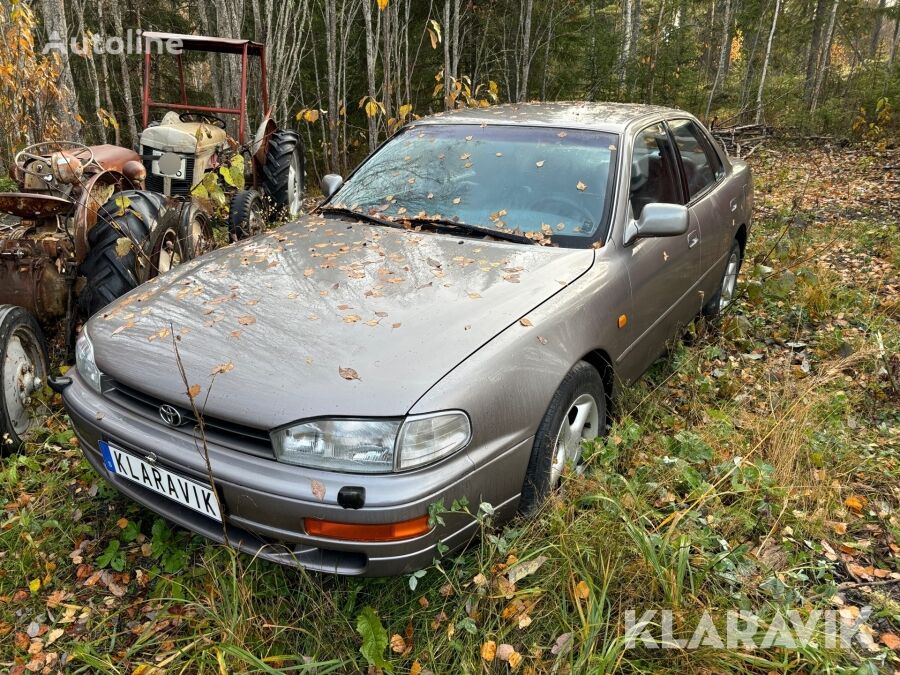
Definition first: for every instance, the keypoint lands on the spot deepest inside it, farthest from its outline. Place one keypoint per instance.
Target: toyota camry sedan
(453, 321)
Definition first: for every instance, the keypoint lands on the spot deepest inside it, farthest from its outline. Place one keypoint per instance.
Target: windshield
(550, 184)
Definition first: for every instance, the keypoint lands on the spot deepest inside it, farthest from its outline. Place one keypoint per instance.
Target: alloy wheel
(581, 423)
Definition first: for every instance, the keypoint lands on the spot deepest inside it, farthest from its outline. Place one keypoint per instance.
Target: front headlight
(84, 362)
(372, 446)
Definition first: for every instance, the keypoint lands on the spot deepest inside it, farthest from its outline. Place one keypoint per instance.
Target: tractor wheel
(195, 231)
(246, 215)
(131, 214)
(282, 174)
(167, 251)
(23, 372)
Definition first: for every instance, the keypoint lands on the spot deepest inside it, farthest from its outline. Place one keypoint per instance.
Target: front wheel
(246, 215)
(23, 371)
(577, 413)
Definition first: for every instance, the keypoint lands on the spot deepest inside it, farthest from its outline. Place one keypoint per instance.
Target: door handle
(693, 238)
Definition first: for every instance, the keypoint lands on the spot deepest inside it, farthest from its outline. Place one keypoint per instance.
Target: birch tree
(55, 24)
(765, 66)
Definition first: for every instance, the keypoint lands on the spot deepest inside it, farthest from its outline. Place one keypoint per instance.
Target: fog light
(406, 529)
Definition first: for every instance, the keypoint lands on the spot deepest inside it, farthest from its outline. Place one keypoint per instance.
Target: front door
(662, 270)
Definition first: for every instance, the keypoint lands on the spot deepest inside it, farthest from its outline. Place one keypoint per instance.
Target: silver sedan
(453, 322)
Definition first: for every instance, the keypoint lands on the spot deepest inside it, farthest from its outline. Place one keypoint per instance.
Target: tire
(715, 306)
(108, 274)
(167, 250)
(581, 383)
(282, 174)
(246, 215)
(195, 231)
(23, 357)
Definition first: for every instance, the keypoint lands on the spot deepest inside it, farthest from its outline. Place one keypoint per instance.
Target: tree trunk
(448, 70)
(527, 9)
(54, 12)
(724, 53)
(370, 71)
(331, 71)
(625, 56)
(126, 76)
(825, 60)
(765, 67)
(876, 30)
(812, 56)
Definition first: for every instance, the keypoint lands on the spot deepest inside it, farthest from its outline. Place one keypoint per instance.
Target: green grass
(742, 472)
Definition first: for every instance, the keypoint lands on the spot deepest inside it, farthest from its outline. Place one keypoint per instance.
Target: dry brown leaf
(856, 503)
(489, 650)
(348, 373)
(582, 590)
(526, 322)
(226, 367)
(398, 644)
(247, 320)
(890, 641)
(194, 391)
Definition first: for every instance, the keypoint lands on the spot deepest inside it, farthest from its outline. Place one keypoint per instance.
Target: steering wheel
(42, 153)
(563, 206)
(204, 117)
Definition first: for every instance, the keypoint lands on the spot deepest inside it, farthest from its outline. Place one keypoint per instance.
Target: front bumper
(265, 502)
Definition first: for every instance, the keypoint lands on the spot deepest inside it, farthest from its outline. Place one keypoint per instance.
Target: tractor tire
(108, 274)
(282, 174)
(23, 372)
(246, 215)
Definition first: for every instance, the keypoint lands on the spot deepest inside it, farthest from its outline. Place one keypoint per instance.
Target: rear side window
(652, 170)
(702, 166)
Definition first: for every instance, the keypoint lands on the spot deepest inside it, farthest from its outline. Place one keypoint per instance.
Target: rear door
(662, 271)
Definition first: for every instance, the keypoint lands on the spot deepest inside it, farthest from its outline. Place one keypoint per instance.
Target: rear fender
(94, 194)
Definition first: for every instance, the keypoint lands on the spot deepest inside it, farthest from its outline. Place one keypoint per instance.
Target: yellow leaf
(123, 246)
(416, 668)
(122, 523)
(405, 109)
(514, 660)
(582, 590)
(855, 502)
(371, 108)
(34, 585)
(382, 4)
(311, 116)
(489, 650)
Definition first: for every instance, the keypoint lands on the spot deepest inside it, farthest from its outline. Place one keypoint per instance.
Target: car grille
(154, 183)
(218, 432)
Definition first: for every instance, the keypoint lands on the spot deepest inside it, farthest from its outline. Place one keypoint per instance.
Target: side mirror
(330, 184)
(658, 220)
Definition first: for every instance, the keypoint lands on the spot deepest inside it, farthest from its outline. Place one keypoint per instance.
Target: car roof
(611, 117)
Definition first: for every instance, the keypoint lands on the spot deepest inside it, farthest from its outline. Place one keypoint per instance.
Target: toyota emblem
(170, 415)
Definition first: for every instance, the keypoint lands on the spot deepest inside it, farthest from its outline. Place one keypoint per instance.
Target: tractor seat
(123, 160)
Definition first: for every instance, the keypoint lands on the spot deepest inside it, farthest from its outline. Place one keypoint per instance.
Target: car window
(652, 173)
(701, 163)
(540, 181)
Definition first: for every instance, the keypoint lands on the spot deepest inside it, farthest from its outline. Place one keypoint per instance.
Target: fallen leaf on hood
(351, 318)
(194, 391)
(348, 373)
(475, 296)
(526, 322)
(226, 367)
(247, 320)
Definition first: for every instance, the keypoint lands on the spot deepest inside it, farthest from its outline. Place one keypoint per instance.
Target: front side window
(535, 180)
(652, 170)
(701, 165)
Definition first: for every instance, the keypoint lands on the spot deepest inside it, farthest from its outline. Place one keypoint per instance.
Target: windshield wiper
(344, 211)
(444, 223)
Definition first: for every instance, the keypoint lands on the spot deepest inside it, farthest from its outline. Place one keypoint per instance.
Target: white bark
(765, 67)
(54, 13)
(825, 61)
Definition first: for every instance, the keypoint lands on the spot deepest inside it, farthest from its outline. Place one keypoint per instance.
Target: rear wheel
(282, 174)
(246, 216)
(23, 371)
(719, 302)
(112, 269)
(577, 412)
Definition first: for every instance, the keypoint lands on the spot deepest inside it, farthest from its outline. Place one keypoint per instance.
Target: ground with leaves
(757, 467)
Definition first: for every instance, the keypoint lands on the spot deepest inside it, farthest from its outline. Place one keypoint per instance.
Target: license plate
(185, 491)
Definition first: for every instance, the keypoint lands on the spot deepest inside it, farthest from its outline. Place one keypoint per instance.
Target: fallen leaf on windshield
(348, 373)
(395, 325)
(457, 200)
(351, 318)
(308, 272)
(465, 156)
(562, 134)
(539, 164)
(526, 322)
(226, 367)
(499, 154)
(247, 320)
(542, 339)
(293, 295)
(469, 138)
(194, 391)
(430, 195)
(581, 186)
(475, 296)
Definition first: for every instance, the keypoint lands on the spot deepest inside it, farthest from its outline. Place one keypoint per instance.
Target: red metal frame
(200, 43)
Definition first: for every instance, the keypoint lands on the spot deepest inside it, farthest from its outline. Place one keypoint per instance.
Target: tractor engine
(177, 154)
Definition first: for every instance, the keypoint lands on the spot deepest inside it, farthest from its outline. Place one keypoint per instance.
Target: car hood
(323, 316)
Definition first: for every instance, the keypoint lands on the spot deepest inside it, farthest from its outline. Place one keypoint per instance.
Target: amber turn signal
(406, 529)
